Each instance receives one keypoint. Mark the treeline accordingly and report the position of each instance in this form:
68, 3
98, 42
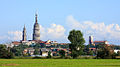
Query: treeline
17, 51
77, 48
117, 47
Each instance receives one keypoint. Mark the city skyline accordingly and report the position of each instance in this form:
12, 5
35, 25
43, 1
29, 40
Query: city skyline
57, 18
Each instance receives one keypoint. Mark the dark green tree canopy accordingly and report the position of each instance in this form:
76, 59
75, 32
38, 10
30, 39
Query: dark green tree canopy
76, 38
4, 52
36, 52
106, 52
77, 43
62, 53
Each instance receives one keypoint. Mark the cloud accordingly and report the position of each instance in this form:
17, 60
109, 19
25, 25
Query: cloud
72, 23
100, 30
54, 32
15, 35
11, 36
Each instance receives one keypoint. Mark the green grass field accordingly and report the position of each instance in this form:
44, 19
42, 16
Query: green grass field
59, 63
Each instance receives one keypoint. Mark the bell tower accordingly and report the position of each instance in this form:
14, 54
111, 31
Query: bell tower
36, 30
24, 38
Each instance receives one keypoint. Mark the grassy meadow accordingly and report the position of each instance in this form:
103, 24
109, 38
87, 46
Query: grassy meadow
59, 63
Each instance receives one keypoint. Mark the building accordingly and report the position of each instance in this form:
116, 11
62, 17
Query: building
36, 34
28, 43
116, 51
43, 46
44, 52
91, 40
16, 43
24, 38
29, 51
101, 42
36, 30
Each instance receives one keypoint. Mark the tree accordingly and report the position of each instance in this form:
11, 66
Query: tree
37, 46
118, 53
17, 50
49, 55
77, 43
106, 52
91, 52
86, 49
36, 52
62, 53
4, 52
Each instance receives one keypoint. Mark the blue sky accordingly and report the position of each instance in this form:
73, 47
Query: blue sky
55, 14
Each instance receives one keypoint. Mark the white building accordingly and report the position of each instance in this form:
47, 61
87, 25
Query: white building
28, 42
116, 51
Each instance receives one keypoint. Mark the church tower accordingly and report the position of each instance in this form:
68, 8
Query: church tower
91, 40
24, 34
36, 30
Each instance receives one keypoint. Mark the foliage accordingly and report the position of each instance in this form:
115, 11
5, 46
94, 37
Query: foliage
49, 55
36, 52
99, 46
42, 45
62, 53
26, 55
17, 50
117, 47
91, 52
4, 52
118, 53
77, 43
86, 50
37, 46
105, 53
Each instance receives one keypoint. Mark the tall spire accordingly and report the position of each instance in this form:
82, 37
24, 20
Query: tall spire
24, 27
36, 29
36, 18
24, 34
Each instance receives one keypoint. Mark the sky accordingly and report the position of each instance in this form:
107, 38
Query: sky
99, 18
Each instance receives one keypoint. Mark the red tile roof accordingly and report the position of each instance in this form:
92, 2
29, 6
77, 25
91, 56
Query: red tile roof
16, 43
99, 41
